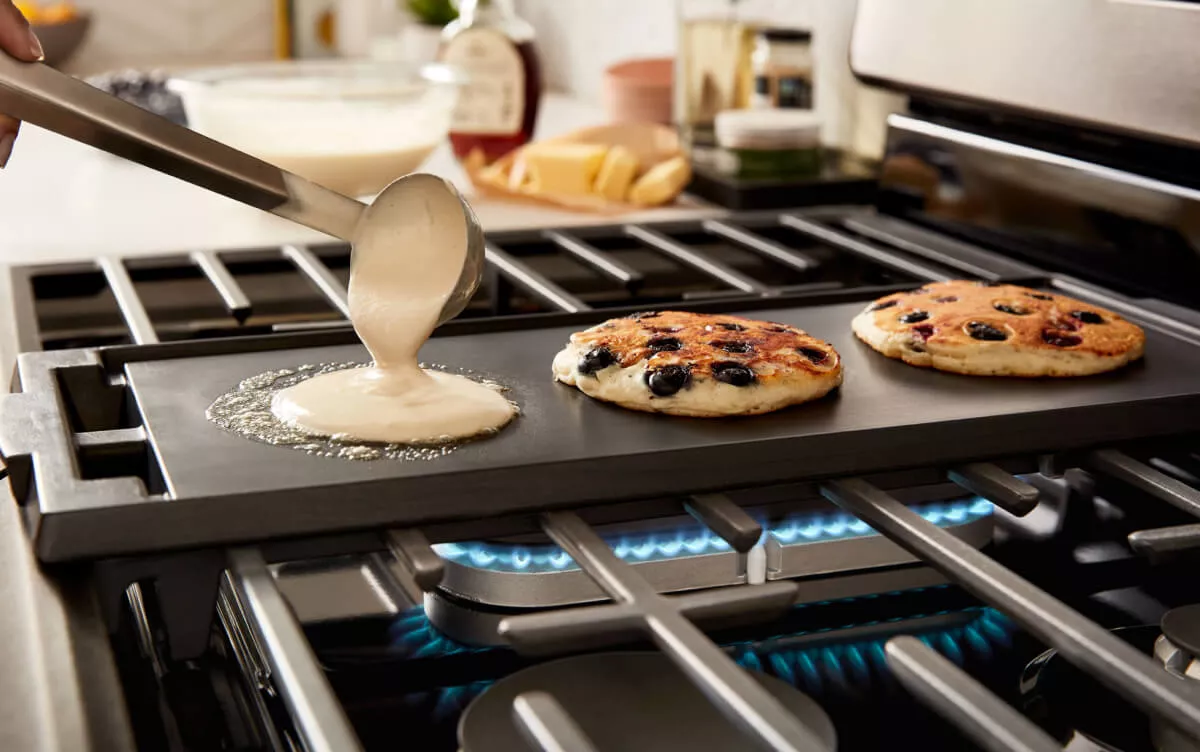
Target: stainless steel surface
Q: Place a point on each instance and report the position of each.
(1165, 541)
(1114, 64)
(997, 486)
(726, 519)
(697, 260)
(1080, 641)
(36, 93)
(411, 548)
(545, 724)
(1145, 478)
(317, 714)
(735, 693)
(218, 275)
(132, 310)
(992, 724)
(57, 672)
(326, 282)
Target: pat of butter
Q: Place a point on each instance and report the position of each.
(662, 182)
(617, 173)
(563, 169)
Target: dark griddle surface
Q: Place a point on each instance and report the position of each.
(566, 449)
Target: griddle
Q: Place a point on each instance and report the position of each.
(200, 486)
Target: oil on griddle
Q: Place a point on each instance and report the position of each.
(246, 411)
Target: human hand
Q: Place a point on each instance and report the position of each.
(18, 40)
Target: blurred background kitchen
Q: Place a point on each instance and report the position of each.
(712, 106)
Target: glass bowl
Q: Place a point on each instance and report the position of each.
(352, 126)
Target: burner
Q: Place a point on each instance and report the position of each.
(609, 695)
(1182, 627)
(1070, 704)
(1177, 649)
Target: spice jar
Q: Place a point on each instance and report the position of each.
(783, 69)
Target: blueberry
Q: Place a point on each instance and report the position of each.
(664, 344)
(816, 356)
(595, 360)
(914, 317)
(740, 348)
(1039, 296)
(1014, 310)
(732, 327)
(1060, 339)
(734, 374)
(985, 332)
(946, 299)
(883, 305)
(668, 380)
(1087, 317)
(923, 331)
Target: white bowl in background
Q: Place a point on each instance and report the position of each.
(352, 126)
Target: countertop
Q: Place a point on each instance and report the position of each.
(60, 200)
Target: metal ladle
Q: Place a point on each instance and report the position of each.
(38, 94)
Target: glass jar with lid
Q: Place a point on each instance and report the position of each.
(783, 69)
(714, 68)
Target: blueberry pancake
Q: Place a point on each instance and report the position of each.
(698, 365)
(998, 330)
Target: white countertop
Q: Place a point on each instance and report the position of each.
(60, 200)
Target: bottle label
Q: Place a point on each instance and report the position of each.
(793, 92)
(493, 101)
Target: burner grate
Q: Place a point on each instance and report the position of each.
(206, 294)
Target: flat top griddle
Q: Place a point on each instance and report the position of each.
(568, 450)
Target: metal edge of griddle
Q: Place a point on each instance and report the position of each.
(75, 527)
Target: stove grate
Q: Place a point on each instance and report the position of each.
(204, 294)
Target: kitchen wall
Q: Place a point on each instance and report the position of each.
(579, 38)
(133, 33)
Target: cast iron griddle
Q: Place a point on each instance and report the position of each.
(567, 450)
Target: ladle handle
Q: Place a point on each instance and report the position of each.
(36, 93)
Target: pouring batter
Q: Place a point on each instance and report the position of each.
(409, 251)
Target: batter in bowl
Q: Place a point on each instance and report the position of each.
(409, 250)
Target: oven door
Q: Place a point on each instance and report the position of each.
(1130, 66)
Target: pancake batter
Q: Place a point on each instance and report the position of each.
(409, 251)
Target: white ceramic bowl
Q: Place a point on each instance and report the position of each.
(351, 126)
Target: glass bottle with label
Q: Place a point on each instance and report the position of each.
(498, 109)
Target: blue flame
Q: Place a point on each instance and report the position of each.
(858, 665)
(818, 669)
(810, 527)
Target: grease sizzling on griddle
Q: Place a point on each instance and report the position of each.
(409, 252)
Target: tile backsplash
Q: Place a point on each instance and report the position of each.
(174, 33)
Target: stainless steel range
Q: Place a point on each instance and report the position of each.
(954, 563)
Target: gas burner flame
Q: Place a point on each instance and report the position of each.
(795, 529)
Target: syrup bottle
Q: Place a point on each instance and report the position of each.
(498, 108)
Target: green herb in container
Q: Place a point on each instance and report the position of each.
(768, 144)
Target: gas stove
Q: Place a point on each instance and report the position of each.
(956, 563)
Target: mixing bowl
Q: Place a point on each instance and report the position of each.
(351, 126)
